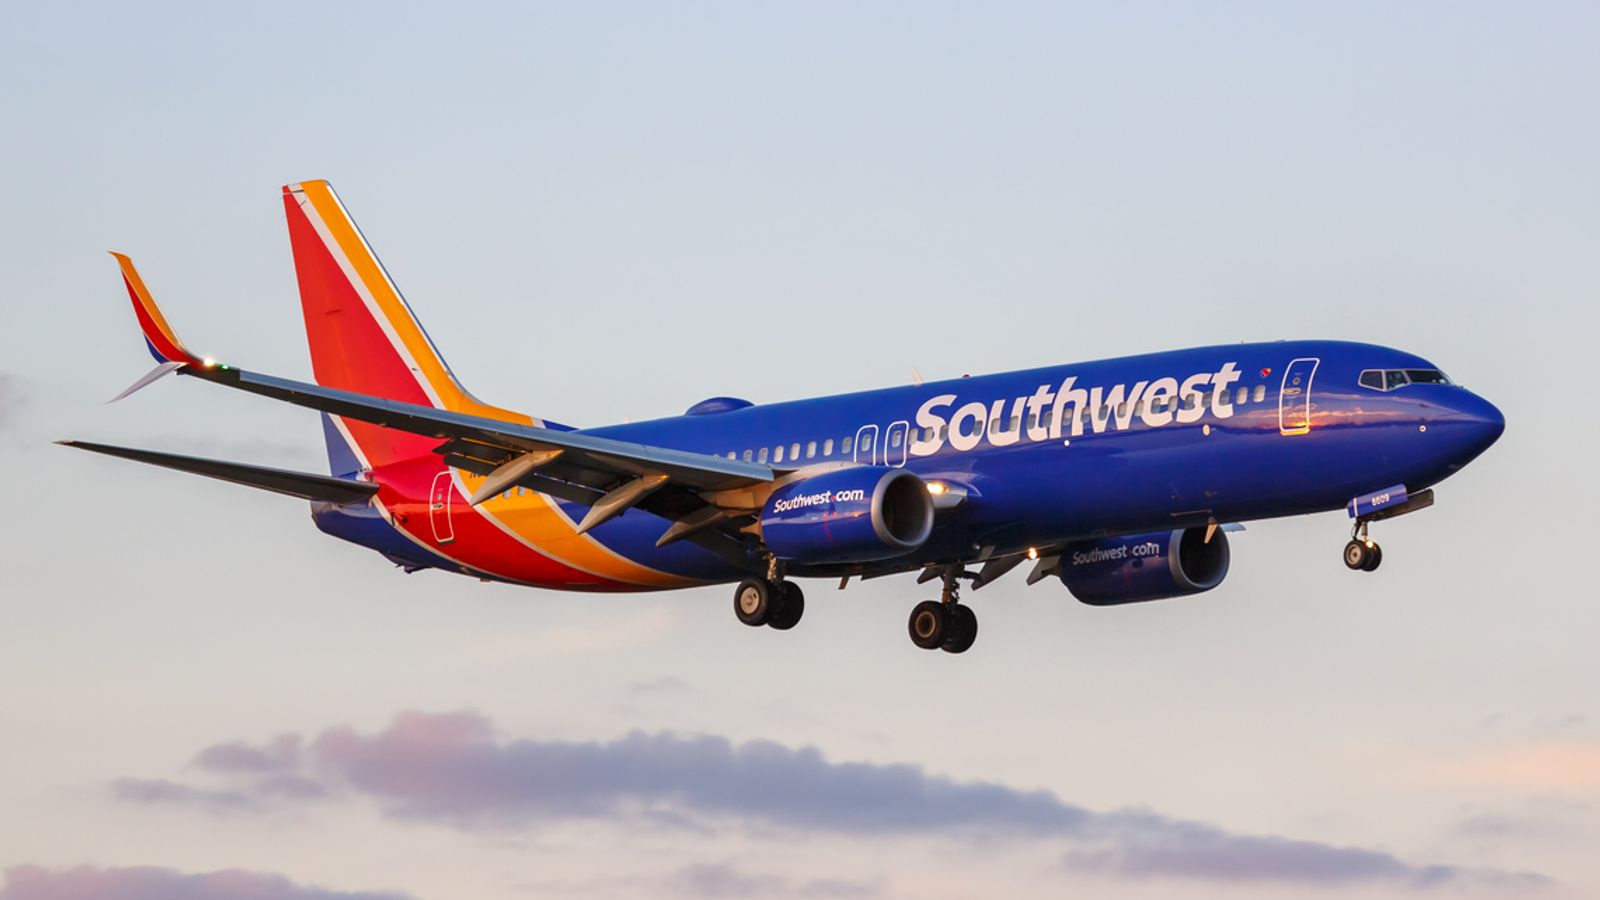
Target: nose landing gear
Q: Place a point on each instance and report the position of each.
(1362, 554)
(944, 624)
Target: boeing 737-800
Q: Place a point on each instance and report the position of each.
(1120, 478)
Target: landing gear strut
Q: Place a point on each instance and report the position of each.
(1362, 554)
(944, 624)
(770, 601)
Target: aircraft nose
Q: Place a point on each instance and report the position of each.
(1476, 422)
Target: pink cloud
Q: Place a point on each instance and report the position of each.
(455, 770)
(152, 883)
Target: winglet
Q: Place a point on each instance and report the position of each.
(162, 340)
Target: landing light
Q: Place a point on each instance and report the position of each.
(937, 487)
(1033, 552)
(208, 362)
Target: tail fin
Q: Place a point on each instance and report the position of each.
(363, 336)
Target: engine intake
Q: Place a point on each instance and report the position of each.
(1138, 567)
(850, 515)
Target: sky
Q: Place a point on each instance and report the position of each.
(610, 211)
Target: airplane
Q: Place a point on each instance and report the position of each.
(1119, 478)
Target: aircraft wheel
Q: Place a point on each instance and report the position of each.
(752, 601)
(790, 606)
(963, 629)
(929, 624)
(1356, 555)
(1374, 558)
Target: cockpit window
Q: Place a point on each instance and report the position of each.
(1391, 379)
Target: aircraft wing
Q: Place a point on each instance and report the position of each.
(282, 481)
(606, 456)
(609, 475)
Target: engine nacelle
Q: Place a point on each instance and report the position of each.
(1139, 567)
(850, 515)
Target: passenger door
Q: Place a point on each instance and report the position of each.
(866, 450)
(894, 444)
(1294, 396)
(444, 531)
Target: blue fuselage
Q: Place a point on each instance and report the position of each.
(1142, 443)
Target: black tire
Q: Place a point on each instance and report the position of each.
(1355, 556)
(790, 607)
(1374, 559)
(963, 629)
(929, 624)
(752, 601)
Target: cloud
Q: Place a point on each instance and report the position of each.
(453, 769)
(279, 755)
(160, 791)
(151, 883)
(715, 881)
(1153, 846)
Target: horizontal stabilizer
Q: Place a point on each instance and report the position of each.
(282, 481)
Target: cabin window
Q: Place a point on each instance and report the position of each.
(894, 438)
(811, 449)
(1122, 410)
(1241, 396)
(794, 450)
(777, 454)
(1259, 394)
(844, 445)
(747, 456)
(762, 456)
(827, 447)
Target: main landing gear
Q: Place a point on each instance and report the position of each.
(769, 601)
(944, 624)
(1362, 554)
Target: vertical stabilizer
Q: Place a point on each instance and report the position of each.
(362, 334)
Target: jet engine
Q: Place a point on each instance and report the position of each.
(849, 515)
(1138, 567)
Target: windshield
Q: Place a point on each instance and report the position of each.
(1393, 379)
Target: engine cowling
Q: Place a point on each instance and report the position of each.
(1138, 567)
(850, 515)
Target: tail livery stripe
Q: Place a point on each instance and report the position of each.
(338, 232)
(365, 338)
(158, 335)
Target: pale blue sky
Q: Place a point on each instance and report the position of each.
(608, 211)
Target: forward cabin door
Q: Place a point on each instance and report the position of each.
(444, 531)
(894, 444)
(866, 450)
(1294, 397)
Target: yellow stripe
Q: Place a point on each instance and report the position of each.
(150, 307)
(395, 311)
